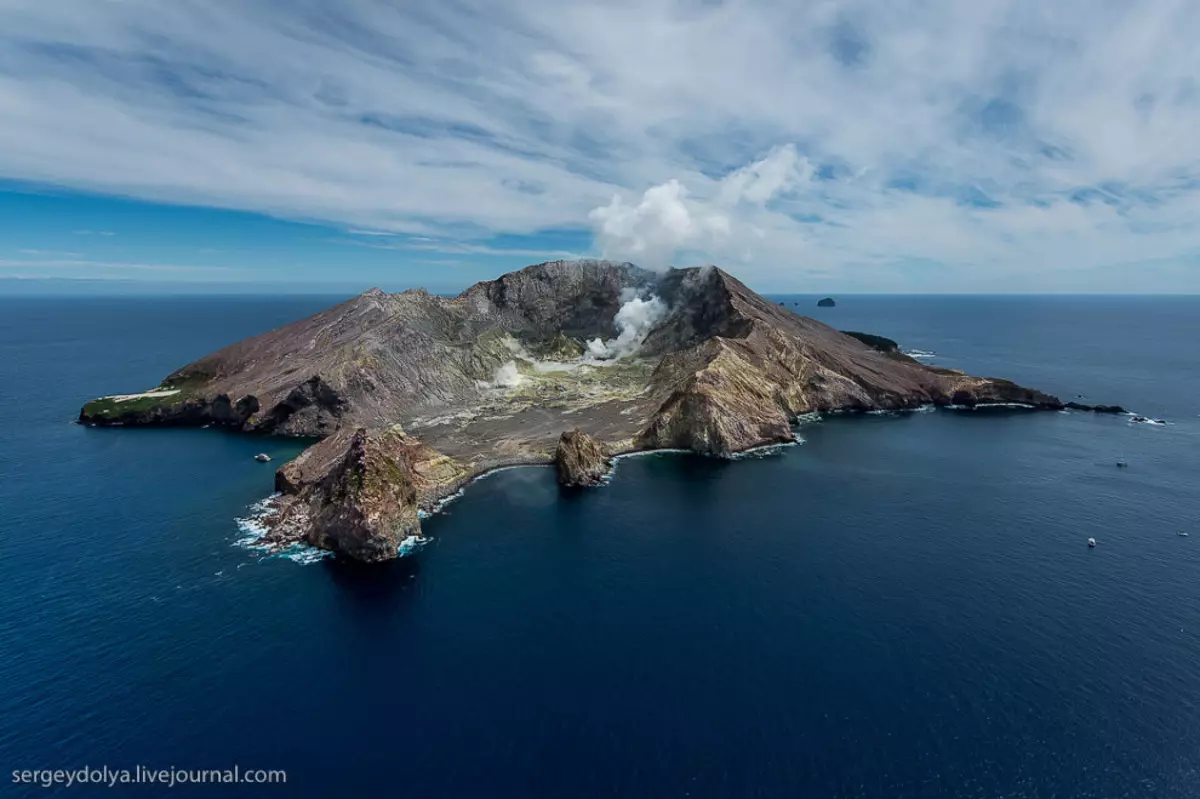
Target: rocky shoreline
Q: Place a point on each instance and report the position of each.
(565, 363)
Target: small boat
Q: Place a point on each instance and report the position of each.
(262, 457)
(1182, 533)
(1122, 464)
(1091, 542)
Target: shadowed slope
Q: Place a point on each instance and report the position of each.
(436, 390)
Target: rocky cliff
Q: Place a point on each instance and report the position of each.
(413, 394)
(581, 460)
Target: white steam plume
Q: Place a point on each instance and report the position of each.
(634, 321)
(507, 376)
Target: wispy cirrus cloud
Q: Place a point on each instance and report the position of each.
(427, 244)
(99, 266)
(1001, 141)
(51, 253)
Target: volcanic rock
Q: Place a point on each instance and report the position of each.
(690, 359)
(581, 460)
(1079, 406)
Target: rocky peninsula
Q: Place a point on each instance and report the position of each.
(566, 363)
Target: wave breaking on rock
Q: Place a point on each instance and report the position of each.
(413, 395)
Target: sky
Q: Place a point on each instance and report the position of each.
(854, 145)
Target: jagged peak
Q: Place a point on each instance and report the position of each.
(579, 263)
(554, 269)
(733, 368)
(695, 275)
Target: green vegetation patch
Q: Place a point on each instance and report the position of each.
(185, 382)
(110, 408)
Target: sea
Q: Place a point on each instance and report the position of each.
(897, 606)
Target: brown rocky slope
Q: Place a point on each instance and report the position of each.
(581, 460)
(415, 394)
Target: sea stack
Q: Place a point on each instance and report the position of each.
(826, 303)
(581, 460)
(365, 503)
(413, 394)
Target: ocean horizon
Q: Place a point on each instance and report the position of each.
(900, 604)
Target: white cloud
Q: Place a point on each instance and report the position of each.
(650, 232)
(664, 222)
(782, 170)
(852, 138)
(426, 244)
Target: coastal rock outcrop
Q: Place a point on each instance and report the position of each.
(367, 503)
(167, 406)
(878, 343)
(311, 408)
(359, 492)
(581, 460)
(1112, 409)
(826, 303)
(413, 394)
(721, 405)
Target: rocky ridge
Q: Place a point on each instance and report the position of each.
(413, 394)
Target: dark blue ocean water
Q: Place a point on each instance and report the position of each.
(898, 607)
